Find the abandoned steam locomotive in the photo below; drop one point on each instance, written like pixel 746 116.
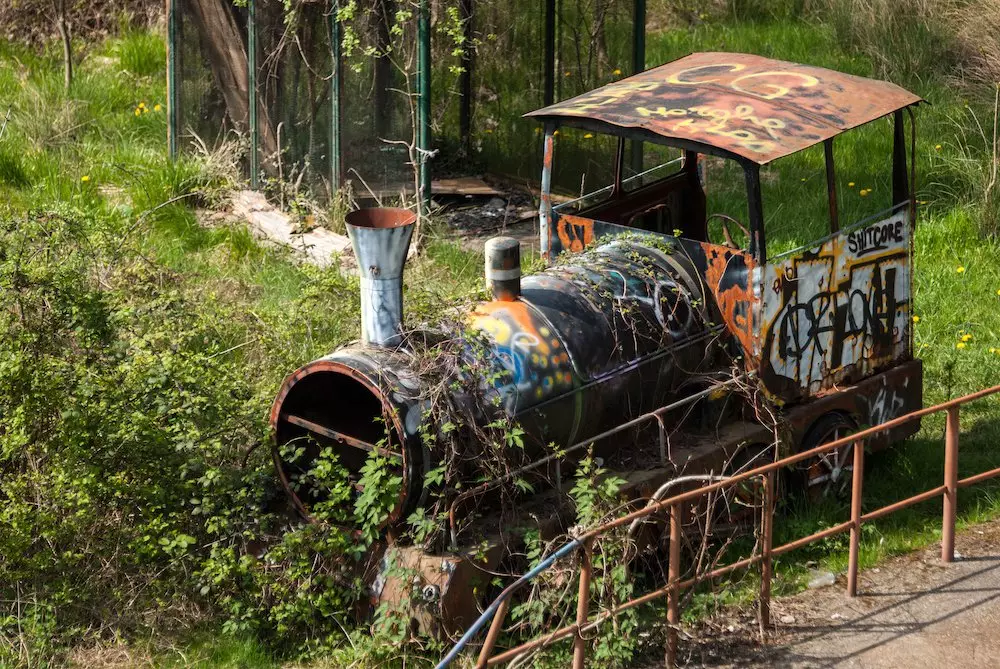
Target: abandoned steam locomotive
pixel 653 290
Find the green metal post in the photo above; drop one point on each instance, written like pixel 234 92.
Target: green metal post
pixel 424 107
pixel 173 96
pixel 638 65
pixel 333 23
pixel 550 53
pixel 252 93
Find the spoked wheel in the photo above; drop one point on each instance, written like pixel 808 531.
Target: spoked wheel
pixel 828 476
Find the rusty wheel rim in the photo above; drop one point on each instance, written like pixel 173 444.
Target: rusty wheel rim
pixel 829 475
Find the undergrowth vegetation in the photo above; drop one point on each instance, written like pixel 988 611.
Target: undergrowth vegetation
pixel 143 348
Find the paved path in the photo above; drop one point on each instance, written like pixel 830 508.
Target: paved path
pixel 912 612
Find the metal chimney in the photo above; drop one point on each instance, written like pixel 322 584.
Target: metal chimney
pixel 503 268
pixel 381 238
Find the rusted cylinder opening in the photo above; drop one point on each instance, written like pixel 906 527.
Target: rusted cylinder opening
pixel 503 268
pixel 381 238
pixel 342 404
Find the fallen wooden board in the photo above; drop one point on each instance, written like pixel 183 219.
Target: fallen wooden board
pixel 463 186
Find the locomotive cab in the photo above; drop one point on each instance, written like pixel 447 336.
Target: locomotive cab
pixel 825 328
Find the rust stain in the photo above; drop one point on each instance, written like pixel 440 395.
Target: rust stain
pixel 741 104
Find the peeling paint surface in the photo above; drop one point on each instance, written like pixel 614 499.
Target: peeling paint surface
pixel 743 105
pixel 837 312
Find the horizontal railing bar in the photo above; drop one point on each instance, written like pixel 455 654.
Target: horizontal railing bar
pixel 338 436
pixel 902 504
pixel 786 462
pixel 657 414
pixel 799 543
pixel 733 480
pixel 570 630
pixel 979 478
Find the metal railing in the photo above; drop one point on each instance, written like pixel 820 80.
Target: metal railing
pixel 674 505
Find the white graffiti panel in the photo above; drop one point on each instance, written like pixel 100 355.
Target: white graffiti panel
pixel 837 312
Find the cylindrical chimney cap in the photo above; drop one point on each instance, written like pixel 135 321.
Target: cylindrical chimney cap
pixel 503 268
pixel 381 238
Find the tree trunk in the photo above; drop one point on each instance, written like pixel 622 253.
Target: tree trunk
pixel 64 33
pixel 227 56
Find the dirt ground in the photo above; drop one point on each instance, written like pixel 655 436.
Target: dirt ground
pixel 912 611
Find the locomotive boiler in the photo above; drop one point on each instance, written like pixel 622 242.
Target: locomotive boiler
pixel 582 346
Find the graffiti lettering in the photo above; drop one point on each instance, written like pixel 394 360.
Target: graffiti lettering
pixel 668 303
pixel 886 405
pixel 874 238
pixel 841 310
pixel 716 121
pixel 776 90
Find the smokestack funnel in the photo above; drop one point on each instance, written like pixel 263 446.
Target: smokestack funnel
pixel 381 238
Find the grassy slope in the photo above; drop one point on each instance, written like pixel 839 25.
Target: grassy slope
pixel 53 142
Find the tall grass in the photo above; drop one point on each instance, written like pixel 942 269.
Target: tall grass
pixel 141 53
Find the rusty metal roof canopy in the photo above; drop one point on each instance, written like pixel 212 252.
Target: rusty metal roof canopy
pixel 733 104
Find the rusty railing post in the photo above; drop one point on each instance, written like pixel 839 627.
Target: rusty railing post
pixel 767 532
pixel 674 579
pixel 582 606
pixel 493 634
pixel 950 486
pixel 857 481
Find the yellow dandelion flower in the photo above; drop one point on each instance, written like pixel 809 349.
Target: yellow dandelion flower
pixel 966 337
pixel 803 179
pixel 916 319
pixel 960 269
pixel 850 184
pixel 617 72
pixel 960 345
pixel 85 178
pixel 863 192
pixel 998 292
pixel 992 350
pixel 142 105
pixel 588 136
pixel 157 107
pixel 138 112
pixel 937 147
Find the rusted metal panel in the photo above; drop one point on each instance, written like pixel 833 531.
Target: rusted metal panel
pixel 735 104
pixel 727 274
pixel 729 277
pixel 837 312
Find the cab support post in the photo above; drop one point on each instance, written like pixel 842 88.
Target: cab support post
pixel 545 206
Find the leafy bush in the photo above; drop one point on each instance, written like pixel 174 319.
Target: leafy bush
pixel 124 428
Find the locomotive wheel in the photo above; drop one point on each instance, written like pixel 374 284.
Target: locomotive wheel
pixel 828 476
